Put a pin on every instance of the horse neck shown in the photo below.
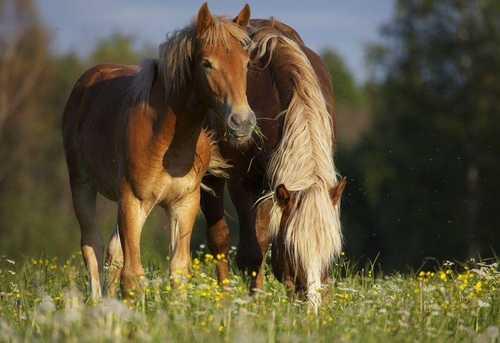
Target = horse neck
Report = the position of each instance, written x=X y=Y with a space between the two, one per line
x=180 y=117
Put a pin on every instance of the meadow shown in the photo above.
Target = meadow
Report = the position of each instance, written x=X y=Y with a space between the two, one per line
x=45 y=300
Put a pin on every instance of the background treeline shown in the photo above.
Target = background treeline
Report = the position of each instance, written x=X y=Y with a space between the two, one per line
x=419 y=140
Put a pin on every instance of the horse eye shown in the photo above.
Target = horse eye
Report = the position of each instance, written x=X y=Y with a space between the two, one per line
x=207 y=64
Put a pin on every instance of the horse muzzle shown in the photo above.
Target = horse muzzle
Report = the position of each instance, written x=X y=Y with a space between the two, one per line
x=240 y=126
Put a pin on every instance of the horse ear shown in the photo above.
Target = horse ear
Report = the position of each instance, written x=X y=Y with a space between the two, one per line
x=282 y=195
x=336 y=192
x=243 y=18
x=204 y=21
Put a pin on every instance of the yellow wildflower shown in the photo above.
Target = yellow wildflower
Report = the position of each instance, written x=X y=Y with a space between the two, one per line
x=478 y=287
x=209 y=257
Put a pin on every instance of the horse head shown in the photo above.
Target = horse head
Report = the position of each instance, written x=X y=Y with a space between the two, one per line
x=220 y=73
x=286 y=266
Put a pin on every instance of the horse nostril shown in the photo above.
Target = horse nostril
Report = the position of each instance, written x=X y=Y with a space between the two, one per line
x=235 y=121
x=241 y=125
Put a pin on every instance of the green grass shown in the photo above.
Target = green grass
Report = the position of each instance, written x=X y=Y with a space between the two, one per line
x=42 y=300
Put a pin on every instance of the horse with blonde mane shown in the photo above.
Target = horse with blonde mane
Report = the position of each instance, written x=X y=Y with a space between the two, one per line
x=284 y=182
x=135 y=135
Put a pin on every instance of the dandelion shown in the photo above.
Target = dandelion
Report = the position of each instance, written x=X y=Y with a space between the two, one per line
x=443 y=276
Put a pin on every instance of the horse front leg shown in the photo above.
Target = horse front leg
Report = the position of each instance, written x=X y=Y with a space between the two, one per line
x=182 y=215
x=132 y=214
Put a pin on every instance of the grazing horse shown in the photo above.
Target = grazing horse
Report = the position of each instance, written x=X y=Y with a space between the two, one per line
x=283 y=183
x=135 y=135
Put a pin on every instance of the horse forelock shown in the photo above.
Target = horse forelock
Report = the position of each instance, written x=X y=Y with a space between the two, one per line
x=303 y=160
x=178 y=51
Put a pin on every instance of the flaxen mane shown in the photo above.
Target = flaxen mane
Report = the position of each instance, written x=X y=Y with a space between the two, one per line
x=177 y=53
x=303 y=162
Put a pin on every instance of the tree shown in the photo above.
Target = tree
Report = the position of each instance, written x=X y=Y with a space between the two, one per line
x=36 y=214
x=353 y=118
x=117 y=48
x=23 y=55
x=347 y=91
x=429 y=162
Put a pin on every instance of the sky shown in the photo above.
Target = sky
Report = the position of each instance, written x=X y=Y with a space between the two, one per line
x=346 y=26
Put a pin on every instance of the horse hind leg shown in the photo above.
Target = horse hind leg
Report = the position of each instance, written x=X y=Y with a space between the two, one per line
x=84 y=201
x=254 y=240
x=114 y=263
x=218 y=233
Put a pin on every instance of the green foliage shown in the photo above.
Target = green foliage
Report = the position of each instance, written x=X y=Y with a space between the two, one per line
x=43 y=300
x=347 y=93
x=117 y=48
x=425 y=172
x=36 y=214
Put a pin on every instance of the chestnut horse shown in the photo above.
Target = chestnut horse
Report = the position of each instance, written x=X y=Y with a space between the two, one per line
x=284 y=184
x=135 y=135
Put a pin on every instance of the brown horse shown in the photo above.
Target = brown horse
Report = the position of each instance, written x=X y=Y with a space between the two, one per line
x=136 y=136
x=284 y=183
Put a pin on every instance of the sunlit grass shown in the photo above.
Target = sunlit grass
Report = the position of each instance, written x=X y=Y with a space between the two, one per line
x=45 y=300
